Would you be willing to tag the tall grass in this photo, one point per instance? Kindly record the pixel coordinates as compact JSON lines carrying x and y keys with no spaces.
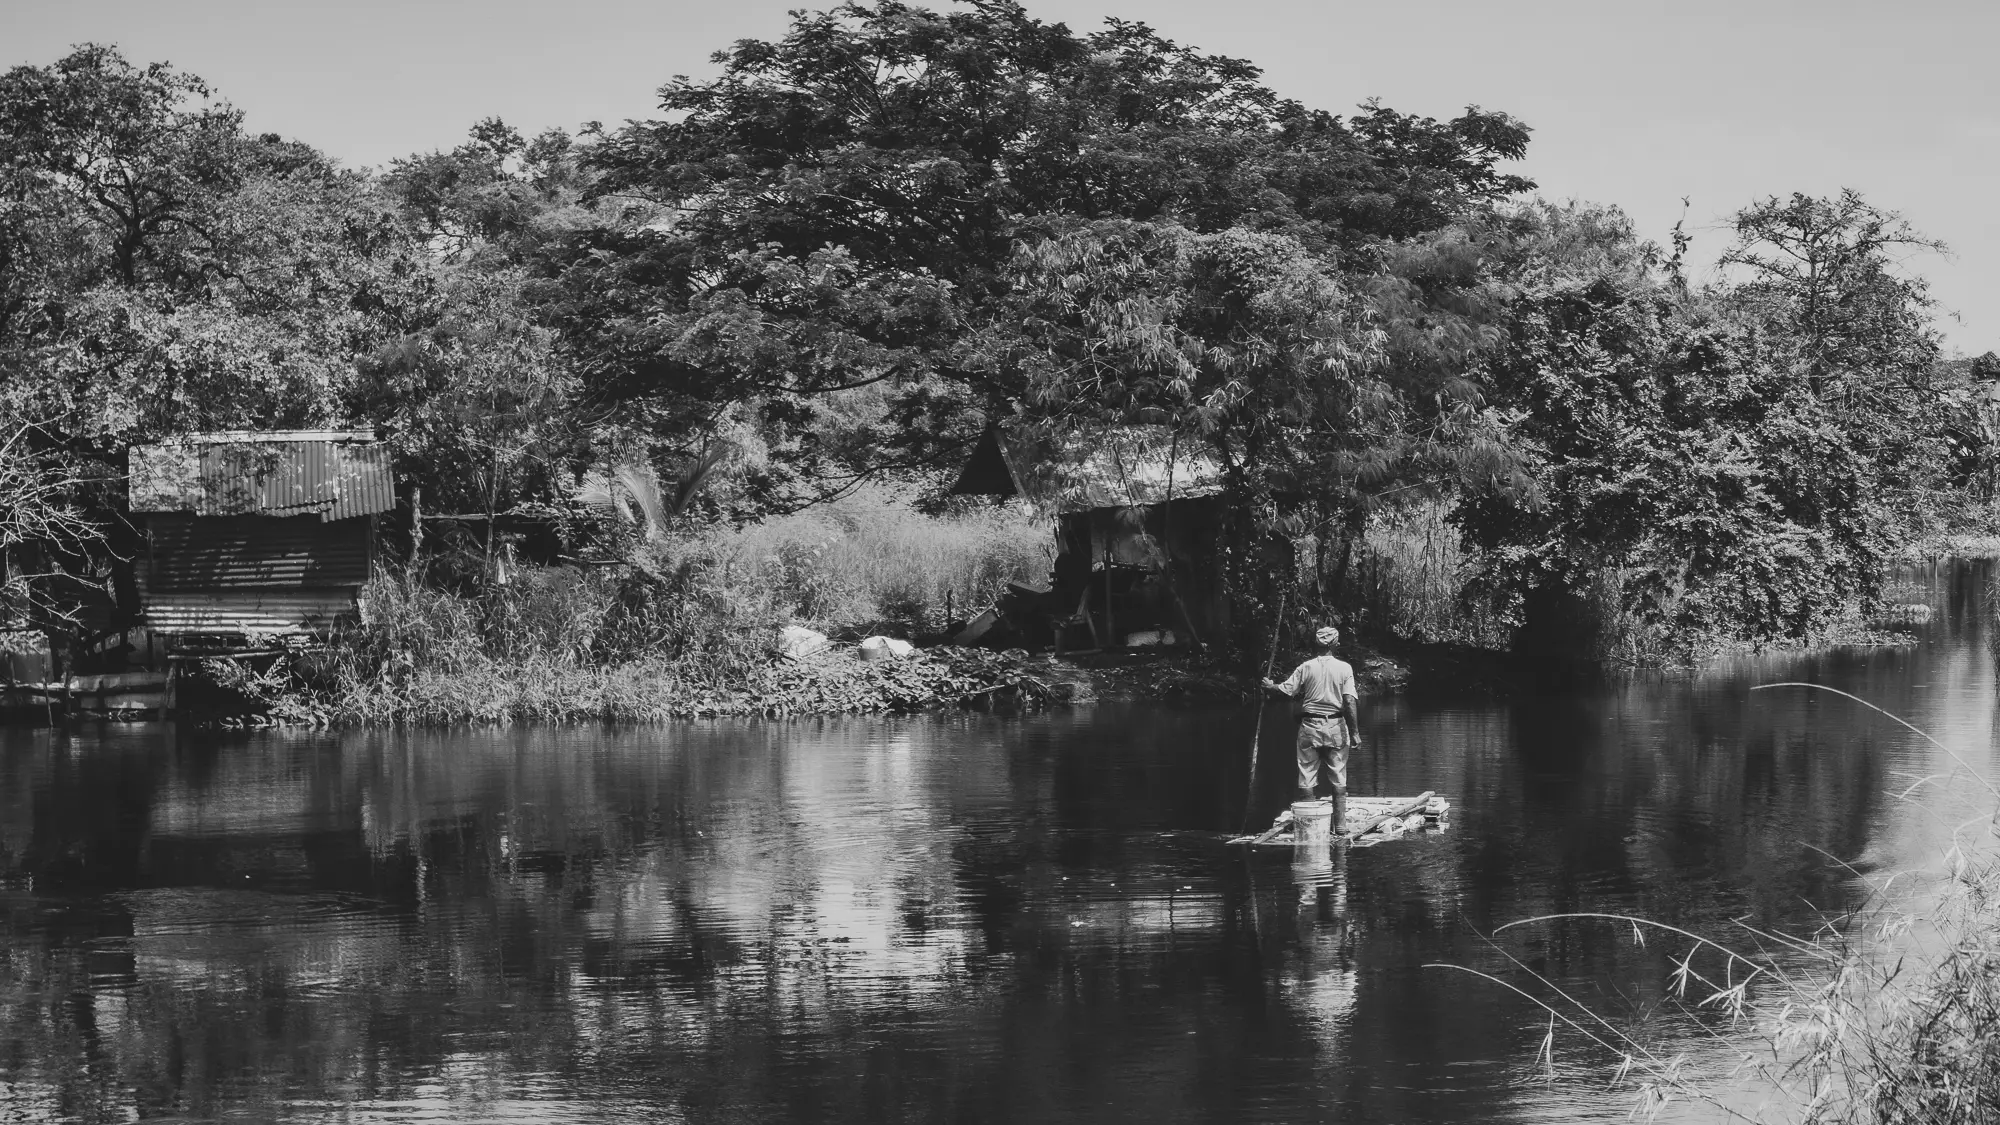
{"x":1889,"y":1013}
{"x":872,"y":558}
{"x":1408,"y":576}
{"x":553,"y":643}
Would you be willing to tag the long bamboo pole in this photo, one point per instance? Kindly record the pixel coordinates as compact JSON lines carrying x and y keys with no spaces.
{"x":1257,"y":731}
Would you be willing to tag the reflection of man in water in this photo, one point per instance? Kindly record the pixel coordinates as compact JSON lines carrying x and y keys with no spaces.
{"x":1329,"y":722}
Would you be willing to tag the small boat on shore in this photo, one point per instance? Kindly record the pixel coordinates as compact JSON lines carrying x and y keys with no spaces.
{"x":1370,"y":821}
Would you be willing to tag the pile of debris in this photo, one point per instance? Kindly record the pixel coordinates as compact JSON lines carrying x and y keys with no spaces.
{"x":1370,"y":821}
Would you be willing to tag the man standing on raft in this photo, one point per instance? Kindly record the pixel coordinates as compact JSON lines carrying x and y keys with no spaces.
{"x":1329,"y":720}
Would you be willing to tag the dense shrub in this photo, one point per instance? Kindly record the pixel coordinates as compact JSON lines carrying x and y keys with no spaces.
{"x":559,"y":617}
{"x":1408,"y":577}
{"x":1733,"y":463}
{"x":684,"y":627}
{"x":651,"y":689}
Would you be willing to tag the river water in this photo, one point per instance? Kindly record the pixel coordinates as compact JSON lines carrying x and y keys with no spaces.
{"x":944,"y":918}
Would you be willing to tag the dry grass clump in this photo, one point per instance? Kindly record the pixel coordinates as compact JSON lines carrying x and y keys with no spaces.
{"x":1924,"y":1031}
{"x":872,"y":557}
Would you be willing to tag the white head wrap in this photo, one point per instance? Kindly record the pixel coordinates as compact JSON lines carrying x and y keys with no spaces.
{"x":1327,"y":635}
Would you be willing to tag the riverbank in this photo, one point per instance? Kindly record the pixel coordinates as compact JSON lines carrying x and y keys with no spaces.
{"x":834,"y":682}
{"x":358,"y":684}
{"x":362,"y":682}
{"x":301,"y":690}
{"x":694,"y":634}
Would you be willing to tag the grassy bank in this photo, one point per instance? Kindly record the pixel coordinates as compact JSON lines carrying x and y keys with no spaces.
{"x":683,"y":627}
{"x":688,"y":625}
{"x":300,"y":691}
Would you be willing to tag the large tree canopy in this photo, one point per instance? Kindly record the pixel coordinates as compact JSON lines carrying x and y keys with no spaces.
{"x":161,"y":270}
{"x":840,"y":211}
{"x":1740,"y":460}
{"x":855,"y":247}
{"x":164,"y":272}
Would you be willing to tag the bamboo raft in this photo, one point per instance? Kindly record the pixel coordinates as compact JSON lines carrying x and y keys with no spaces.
{"x":1370,"y":821}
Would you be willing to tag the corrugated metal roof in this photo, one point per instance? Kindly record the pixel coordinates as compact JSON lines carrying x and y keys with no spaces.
{"x":261,"y":611}
{"x":1115,"y":466}
{"x":251,"y":552}
{"x":227,"y":437}
{"x":331,"y":474}
{"x":368,"y":486}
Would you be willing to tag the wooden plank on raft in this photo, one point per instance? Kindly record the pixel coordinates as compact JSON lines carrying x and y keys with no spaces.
{"x":1285,"y":820}
{"x":1415,"y":804}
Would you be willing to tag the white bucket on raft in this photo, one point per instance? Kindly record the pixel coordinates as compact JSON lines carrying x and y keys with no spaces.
{"x":1311,"y":820}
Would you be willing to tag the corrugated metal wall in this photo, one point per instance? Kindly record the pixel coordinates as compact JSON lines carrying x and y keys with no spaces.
{"x":235,"y":574}
{"x":255,"y":552}
{"x":256,"y":532}
{"x":262,"y":611}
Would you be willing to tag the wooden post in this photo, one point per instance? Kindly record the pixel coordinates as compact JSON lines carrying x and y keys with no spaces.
{"x":416,"y":524}
{"x":1110,"y":628}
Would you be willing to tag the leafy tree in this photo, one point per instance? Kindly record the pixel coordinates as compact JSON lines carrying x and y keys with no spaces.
{"x":1707,"y":453}
{"x":496,"y":196}
{"x":473,"y":403}
{"x":838,"y":213}
{"x":1256,"y":351}
{"x":1825,"y":292}
{"x":129,"y":163}
{"x":170,"y":273}
{"x":164,"y":271}
{"x":479,"y":403}
{"x":1823,"y":278}
{"x":1972,"y":431}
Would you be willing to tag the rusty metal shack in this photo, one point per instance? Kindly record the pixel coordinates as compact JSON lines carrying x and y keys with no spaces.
{"x":1139,"y":535}
{"x":255,"y":533}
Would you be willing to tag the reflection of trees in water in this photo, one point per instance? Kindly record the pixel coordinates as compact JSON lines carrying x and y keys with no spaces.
{"x":362,"y":919}
{"x":1696,"y":805}
{"x":873,"y":919}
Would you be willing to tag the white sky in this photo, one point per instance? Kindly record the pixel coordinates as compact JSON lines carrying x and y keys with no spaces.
{"x":1633,"y":103}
